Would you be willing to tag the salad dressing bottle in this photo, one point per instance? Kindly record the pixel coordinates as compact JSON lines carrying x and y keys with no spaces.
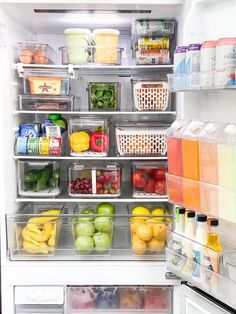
{"x":213,"y":242}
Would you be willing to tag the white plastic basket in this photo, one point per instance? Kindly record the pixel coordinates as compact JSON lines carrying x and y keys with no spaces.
{"x":141,"y":141}
{"x":150,"y":95}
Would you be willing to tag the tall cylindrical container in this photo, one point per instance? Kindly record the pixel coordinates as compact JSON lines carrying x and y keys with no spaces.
{"x":179,"y":60}
{"x":193,"y":58}
{"x":207,"y":63}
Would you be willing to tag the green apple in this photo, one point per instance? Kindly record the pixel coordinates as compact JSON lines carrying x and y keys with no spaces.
{"x":85,"y":228}
{"x":106,"y":209}
{"x":84,"y":244}
{"x":84,"y":213}
{"x":102,"y":241}
{"x":103,"y":224}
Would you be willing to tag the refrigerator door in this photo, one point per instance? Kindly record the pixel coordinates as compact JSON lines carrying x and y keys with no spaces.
{"x":187,"y":300}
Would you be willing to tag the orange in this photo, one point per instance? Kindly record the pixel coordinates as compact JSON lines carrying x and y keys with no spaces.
{"x":159,"y":231}
{"x":135,"y":237}
{"x":134,"y":225}
{"x":155,"y":245}
{"x":144,"y":231}
{"x":139,"y":247}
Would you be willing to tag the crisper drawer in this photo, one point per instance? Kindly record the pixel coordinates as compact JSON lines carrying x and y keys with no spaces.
{"x":115,"y":299}
{"x":39,"y":299}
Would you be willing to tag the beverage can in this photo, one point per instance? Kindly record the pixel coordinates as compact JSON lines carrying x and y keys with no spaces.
{"x":193,"y":58}
{"x":225,"y":77}
{"x":180,"y":59}
{"x":208,"y":56}
{"x":55,"y":146}
{"x":33,"y":146}
{"x":44,"y":146}
{"x":225,"y":53}
{"x":21,"y":145}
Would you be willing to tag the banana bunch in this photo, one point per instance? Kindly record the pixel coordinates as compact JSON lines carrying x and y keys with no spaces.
{"x":39,"y":235}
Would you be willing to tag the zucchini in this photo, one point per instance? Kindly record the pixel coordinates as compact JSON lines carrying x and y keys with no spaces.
{"x":32,"y":175}
{"x":43,"y":180}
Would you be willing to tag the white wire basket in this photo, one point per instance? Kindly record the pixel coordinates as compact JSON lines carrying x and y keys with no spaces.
{"x":150,"y":95}
{"x":141,"y":141}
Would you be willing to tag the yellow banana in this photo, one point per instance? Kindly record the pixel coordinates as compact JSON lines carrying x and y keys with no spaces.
{"x":36,"y":228}
{"x":52,"y":239}
{"x":26,"y":236}
{"x":46,"y":219}
{"x":41,"y":248}
{"x":44,"y":235}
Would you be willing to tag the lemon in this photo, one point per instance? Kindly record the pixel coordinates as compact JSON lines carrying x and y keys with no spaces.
{"x":139,"y":210}
{"x":158,"y":212}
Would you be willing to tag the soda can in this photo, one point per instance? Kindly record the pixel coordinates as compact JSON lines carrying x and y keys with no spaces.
{"x":208,"y":56}
{"x":225,"y":53}
{"x":33,"y":146}
{"x":21,"y":145}
{"x":55,"y":146}
{"x":193,"y":58}
{"x":44,"y":146}
{"x":179,"y":60}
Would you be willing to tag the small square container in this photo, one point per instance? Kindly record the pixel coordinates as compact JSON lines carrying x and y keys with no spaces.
{"x":35,"y":230}
{"x":104,"y":96}
{"x":50,"y":83}
{"x":46,"y":103}
{"x":102,"y":181}
{"x":157,"y":298}
{"x":88,"y":137}
{"x":150,"y":95}
{"x":92,"y":233}
{"x":149,"y":179}
{"x":39,"y":179}
{"x":131,"y":298}
{"x":33,"y":52}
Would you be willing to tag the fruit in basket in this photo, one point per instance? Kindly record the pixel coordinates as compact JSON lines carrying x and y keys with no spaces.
{"x":149,"y":187}
{"x":134,"y":224}
{"x":158,"y":212}
{"x":99,"y":142}
{"x":26,"y":56}
{"x":83,"y":215}
{"x":85,"y":244}
{"x":103,"y":224}
{"x":140,"y":210}
{"x":81,"y":186}
{"x":159,"y":231}
{"x":139,"y":246}
{"x":144,"y":231}
{"x":85,"y":228}
{"x":155,"y":245}
{"x":105,"y":209}
{"x":79,"y":141}
{"x":102,"y":241}
{"x":139,"y":179}
{"x":160,"y":187}
{"x":39,"y":248}
{"x":108,"y":182}
{"x":159,"y":173}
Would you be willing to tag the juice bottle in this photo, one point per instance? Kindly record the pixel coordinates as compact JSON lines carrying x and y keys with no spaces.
{"x":208,"y":155}
{"x":174,"y":147}
{"x":226,"y":173}
{"x":177,"y":242}
{"x":189,"y":233}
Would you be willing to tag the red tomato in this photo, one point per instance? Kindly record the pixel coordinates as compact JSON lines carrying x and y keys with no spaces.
{"x":160,"y":187}
{"x":149,"y":188}
{"x":139,"y":179}
{"x":159,"y":173}
{"x":148,"y":171}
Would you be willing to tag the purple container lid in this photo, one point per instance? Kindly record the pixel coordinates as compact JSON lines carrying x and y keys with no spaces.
{"x":193,"y":47}
{"x":181,"y":49}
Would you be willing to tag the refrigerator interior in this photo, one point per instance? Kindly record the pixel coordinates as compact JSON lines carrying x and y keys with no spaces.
{"x":196,"y":21}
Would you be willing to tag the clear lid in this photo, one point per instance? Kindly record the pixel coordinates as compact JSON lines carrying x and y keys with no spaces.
{"x":193,"y":129}
{"x":177,"y":127}
{"x":98,"y":166}
{"x":211,"y":131}
{"x":106,"y":31}
{"x":228,"y":133}
{"x":77,"y":30}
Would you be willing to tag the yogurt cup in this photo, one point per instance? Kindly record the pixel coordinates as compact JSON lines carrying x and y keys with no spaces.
{"x":77,"y":40}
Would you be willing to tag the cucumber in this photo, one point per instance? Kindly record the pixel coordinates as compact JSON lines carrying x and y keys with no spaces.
{"x":43,"y":180}
{"x":32,"y":175}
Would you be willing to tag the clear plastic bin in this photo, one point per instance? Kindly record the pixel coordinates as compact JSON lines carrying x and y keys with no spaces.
{"x":141,"y":139}
{"x":34,"y":52}
{"x":153,"y":28}
{"x":88,"y":137}
{"x":149,"y":179}
{"x":104,"y":96}
{"x":39,"y":179}
{"x":46,"y":103}
{"x":150,"y":95}
{"x":102,"y":181}
{"x":92,"y":232}
{"x":43,"y":82}
{"x":35,"y":229}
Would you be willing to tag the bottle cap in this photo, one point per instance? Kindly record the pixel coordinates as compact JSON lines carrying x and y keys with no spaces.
{"x":181,"y":210}
{"x":213,"y":222}
{"x":190,"y":214}
{"x":55,"y":116}
{"x":201,"y":218}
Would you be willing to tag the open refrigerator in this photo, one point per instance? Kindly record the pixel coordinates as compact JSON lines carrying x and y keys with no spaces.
{"x":66,"y":278}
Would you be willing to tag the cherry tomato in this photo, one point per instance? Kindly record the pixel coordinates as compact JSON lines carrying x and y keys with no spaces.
{"x":160,"y":187}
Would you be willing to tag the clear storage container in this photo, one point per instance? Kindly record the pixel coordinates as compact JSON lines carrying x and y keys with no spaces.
{"x":46,"y":83}
{"x":104,"y":96}
{"x":34,"y":52}
{"x":153,"y":28}
{"x":39,"y":179}
{"x":88,"y":137}
{"x":46,"y":103}
{"x":35,"y":229}
{"x":141,"y":139}
{"x":102,"y":181}
{"x":150,"y":95}
{"x":92,"y":233}
{"x":149,"y":179}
